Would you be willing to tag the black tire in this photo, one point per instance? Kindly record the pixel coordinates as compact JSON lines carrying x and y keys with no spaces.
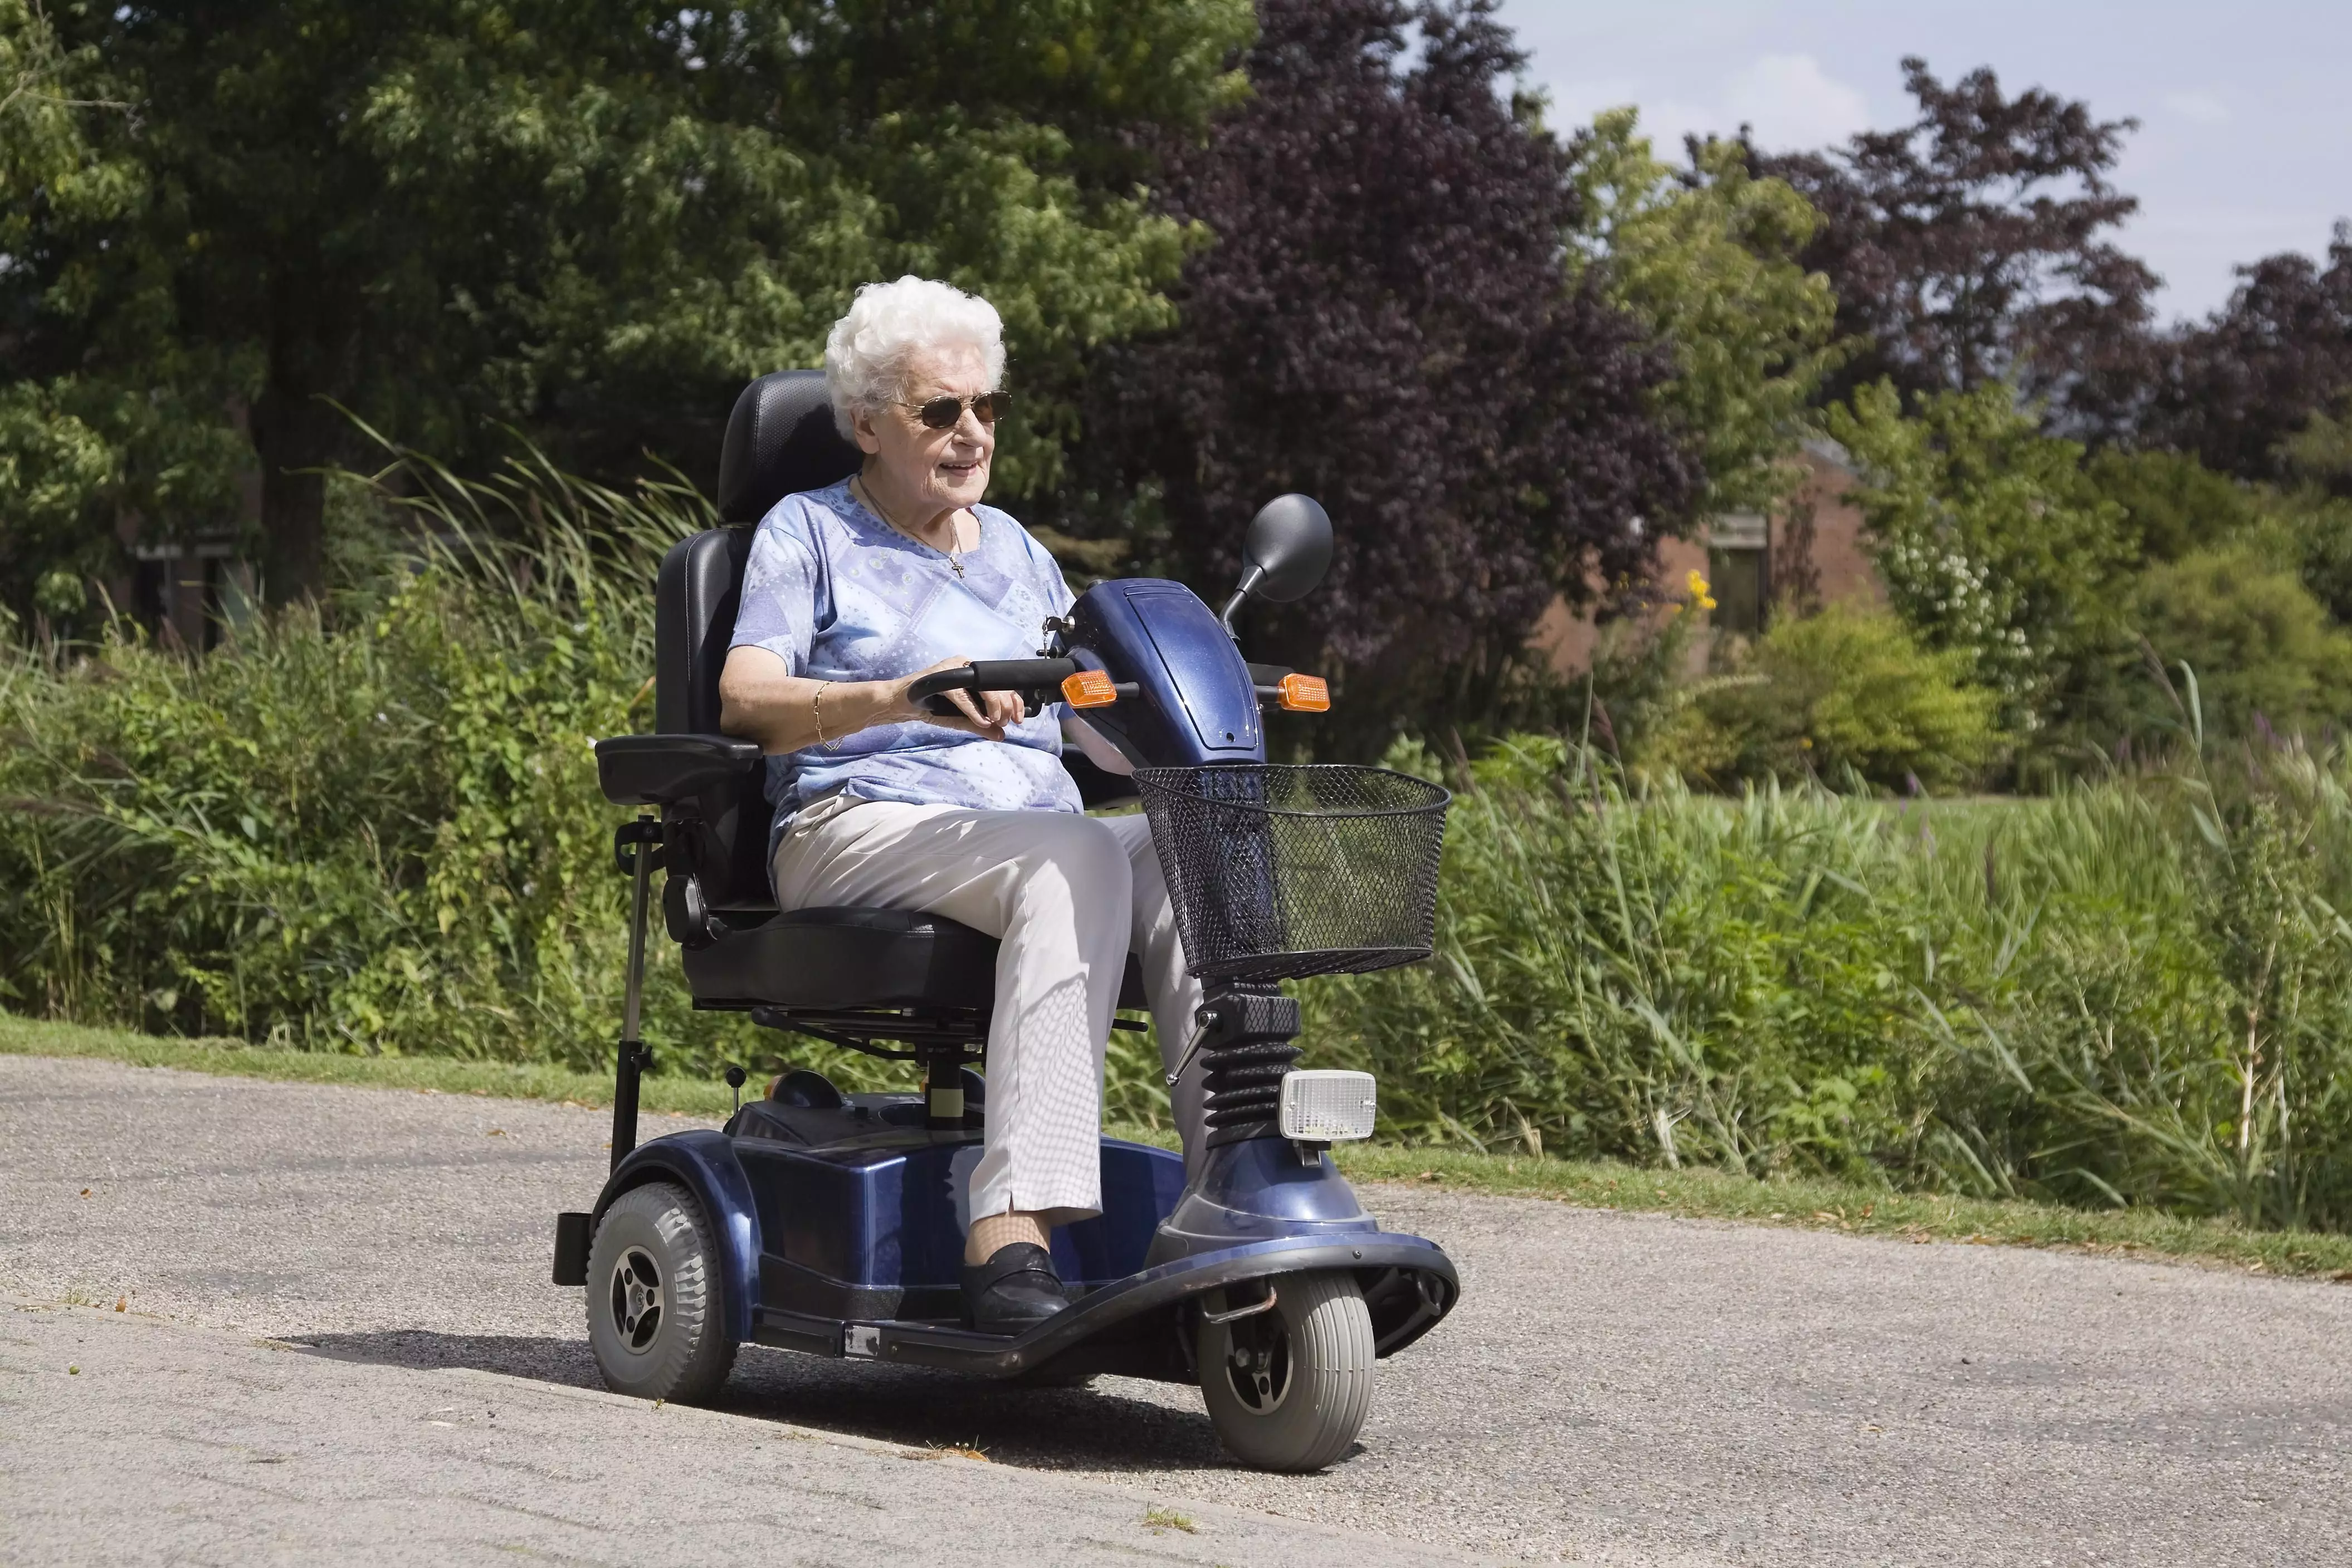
{"x":1289,"y":1389}
{"x":657,"y":1317}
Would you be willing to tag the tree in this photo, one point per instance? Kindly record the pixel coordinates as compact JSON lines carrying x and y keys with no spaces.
{"x":1708,"y":257}
{"x":2172,"y":502}
{"x":1381,"y":322}
{"x":1994,"y":542}
{"x":580,"y":217}
{"x":67,"y":439}
{"x":1970,"y":247}
{"x":2238,"y":388}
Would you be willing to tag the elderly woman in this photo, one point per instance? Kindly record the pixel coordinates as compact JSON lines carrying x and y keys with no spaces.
{"x":850,"y":594}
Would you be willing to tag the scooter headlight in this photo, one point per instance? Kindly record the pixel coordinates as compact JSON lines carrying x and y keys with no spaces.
{"x":1328,"y":1107}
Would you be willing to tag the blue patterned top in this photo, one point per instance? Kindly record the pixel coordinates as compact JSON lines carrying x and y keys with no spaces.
{"x":840,"y":595}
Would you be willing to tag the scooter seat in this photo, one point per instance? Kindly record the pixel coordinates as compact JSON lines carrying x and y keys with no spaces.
{"x":856,"y":961}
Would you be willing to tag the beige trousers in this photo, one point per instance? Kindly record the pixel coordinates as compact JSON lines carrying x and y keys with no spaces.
{"x":1068,"y":897}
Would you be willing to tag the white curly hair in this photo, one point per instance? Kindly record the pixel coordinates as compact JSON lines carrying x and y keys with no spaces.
{"x":866,"y":354}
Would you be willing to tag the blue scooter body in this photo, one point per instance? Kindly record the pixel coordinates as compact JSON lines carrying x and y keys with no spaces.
{"x":842,"y":1222}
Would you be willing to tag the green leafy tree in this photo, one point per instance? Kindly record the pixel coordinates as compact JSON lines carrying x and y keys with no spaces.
{"x":2172,"y":502}
{"x":1707,"y":255}
{"x":1995,"y":543}
{"x":72,"y":448}
{"x":591,"y":219}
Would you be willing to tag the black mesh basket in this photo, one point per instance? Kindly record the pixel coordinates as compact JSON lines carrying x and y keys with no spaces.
{"x":1278,"y":872}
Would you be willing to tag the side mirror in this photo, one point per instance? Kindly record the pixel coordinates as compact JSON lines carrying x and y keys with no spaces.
{"x":1285,"y":554}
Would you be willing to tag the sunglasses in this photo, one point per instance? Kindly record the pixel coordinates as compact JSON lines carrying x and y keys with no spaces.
{"x":947,"y":413}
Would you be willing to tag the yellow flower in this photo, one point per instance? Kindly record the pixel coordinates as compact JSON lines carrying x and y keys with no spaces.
{"x":1697,"y":584}
{"x":1704,"y":602}
{"x":1805,"y":743}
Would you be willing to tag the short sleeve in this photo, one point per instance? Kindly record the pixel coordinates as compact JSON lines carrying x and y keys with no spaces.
{"x":779,"y":610}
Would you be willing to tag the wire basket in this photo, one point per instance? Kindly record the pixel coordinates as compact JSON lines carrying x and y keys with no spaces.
{"x":1278,"y":873}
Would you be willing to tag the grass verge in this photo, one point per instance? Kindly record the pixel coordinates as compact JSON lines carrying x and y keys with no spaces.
{"x":428,"y":1074}
{"x":1860,"y":1210}
{"x":1595,"y":1183}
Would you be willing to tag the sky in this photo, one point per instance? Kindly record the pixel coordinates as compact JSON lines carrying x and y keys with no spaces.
{"x":2245,"y":105}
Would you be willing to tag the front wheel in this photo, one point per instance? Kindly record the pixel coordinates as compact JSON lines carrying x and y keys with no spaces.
{"x":1289,"y":1388}
{"x":655,"y":1318}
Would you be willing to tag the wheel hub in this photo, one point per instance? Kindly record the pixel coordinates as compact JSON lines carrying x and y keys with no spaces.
{"x":636,"y":1297}
{"x":1257,"y":1361}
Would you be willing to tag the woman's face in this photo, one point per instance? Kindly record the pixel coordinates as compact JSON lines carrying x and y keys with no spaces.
{"x":935,"y":469}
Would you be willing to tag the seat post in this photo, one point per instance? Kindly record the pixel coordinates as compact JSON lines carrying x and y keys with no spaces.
{"x":943,"y":1089}
{"x":633,"y":846}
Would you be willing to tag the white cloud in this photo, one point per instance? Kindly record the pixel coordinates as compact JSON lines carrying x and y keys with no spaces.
{"x":1664,"y":120}
{"x":1790,"y":102}
{"x":2196,"y":104}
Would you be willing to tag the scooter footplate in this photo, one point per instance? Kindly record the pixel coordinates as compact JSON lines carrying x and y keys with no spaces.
{"x":1082,"y":1336}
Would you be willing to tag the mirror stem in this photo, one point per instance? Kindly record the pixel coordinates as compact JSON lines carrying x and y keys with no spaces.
{"x":1234,"y":605}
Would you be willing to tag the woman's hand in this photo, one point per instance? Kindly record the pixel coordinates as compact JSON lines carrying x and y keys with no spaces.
{"x":986,"y":713}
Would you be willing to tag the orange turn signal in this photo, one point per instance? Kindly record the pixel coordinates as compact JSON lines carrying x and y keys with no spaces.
{"x":1304,"y":693}
{"x":1088,"y":688}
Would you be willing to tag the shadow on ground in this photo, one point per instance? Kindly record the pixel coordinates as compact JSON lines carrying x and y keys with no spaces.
{"x":1106,"y":1426}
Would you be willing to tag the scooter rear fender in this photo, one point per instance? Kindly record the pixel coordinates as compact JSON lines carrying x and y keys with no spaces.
{"x":703,"y":1162}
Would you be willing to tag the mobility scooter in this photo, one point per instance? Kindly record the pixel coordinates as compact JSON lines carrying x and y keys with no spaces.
{"x":829,"y":1222}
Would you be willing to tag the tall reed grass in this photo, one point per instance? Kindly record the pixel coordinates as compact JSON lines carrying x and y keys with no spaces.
{"x":374,"y":827}
{"x":371,"y":825}
{"x":2136,"y":991}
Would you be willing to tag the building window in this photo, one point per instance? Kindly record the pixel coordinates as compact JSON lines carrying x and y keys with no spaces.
{"x":1738,"y":566}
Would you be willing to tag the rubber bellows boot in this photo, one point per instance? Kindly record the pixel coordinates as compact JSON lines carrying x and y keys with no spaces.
{"x":1014,"y":1291}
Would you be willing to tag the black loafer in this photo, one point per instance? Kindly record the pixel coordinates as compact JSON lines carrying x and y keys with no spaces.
{"x":1014,"y":1291}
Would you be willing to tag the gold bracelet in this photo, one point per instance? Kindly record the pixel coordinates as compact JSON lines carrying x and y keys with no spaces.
{"x":818,"y":719}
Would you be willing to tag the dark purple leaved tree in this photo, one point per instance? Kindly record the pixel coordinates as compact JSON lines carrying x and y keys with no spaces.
{"x":1382,"y":323}
{"x":2235,"y":389}
{"x":1974,"y":244}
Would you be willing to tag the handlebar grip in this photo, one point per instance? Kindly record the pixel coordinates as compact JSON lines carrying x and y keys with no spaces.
{"x":1024,"y":676}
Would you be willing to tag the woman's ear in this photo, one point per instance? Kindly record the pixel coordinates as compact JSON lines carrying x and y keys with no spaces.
{"x":861,"y":427}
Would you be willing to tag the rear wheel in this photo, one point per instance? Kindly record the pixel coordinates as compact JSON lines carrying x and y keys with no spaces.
{"x":1289,"y":1388}
{"x":655,"y":1318}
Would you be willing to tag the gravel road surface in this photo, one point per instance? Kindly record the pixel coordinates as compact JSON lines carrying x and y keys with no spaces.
{"x":1614,"y":1388}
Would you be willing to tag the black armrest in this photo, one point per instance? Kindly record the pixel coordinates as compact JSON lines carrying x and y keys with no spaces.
{"x":662,"y":770}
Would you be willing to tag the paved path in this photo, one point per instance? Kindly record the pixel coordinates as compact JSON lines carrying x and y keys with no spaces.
{"x":134,"y":1440}
{"x":1615,"y":1388}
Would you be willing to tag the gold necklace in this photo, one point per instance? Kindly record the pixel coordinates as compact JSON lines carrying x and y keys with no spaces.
{"x":865,"y":496}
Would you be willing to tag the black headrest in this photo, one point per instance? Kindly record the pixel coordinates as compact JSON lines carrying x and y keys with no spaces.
{"x":781,"y":440}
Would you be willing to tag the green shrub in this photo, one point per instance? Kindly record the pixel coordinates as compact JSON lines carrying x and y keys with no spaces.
{"x":1845,"y":692}
{"x":2316,"y":530}
{"x":2261,"y":646}
{"x":370,"y":828}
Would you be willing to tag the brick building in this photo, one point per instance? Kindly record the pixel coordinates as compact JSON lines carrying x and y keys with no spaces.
{"x":1809,"y":555}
